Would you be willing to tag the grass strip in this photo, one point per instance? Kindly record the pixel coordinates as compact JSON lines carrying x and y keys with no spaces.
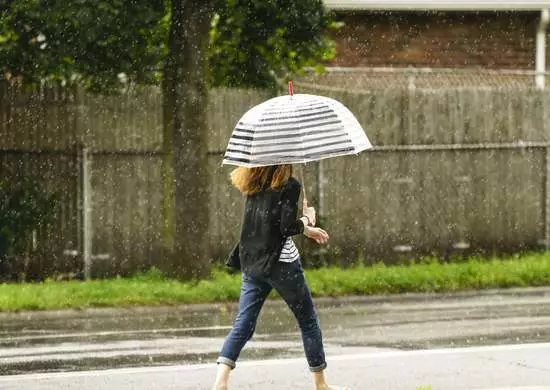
{"x":152,"y":288}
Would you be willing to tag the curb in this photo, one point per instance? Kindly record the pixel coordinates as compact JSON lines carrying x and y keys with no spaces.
{"x":322,"y":301}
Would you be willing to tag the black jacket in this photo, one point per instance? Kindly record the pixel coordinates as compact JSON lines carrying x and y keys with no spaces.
{"x":269,"y":218}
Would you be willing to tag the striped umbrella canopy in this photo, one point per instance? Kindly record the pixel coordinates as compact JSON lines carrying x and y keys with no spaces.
{"x":294,"y":129}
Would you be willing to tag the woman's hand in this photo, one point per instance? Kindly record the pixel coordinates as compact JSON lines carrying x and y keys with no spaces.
{"x":309,"y":212}
{"x":316,"y":234}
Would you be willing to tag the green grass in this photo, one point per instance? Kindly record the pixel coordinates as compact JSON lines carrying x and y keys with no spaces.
{"x":152,"y":288}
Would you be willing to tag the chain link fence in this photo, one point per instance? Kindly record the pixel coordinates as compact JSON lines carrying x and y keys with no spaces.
{"x":421,"y":78}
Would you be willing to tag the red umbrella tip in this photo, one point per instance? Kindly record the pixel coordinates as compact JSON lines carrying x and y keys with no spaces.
{"x":290,"y":88}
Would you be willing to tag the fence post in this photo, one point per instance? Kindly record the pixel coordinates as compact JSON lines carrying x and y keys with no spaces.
{"x":547,"y":198}
{"x":85,"y":162}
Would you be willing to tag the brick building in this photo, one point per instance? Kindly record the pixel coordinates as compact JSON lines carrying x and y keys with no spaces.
{"x":488,"y":34}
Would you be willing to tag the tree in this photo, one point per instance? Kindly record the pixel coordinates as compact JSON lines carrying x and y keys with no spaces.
{"x":251,"y":44}
{"x":256,"y":42}
{"x":92,"y":42}
{"x":185,"y":93}
{"x":95,"y":41}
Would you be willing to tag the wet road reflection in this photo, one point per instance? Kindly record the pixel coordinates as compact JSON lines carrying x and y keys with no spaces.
{"x":101,"y":338}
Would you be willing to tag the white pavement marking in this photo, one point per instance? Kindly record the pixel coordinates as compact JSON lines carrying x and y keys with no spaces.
{"x":280,"y":362}
{"x":520,"y":388}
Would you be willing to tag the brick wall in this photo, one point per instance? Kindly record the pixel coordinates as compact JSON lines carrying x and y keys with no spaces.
{"x":486,"y":39}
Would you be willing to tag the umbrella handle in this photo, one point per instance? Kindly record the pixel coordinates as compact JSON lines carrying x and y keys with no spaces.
{"x":302,"y":180}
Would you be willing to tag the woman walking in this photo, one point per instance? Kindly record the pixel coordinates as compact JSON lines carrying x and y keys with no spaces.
{"x":269,"y":260}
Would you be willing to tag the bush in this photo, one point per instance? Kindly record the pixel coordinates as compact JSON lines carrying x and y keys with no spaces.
{"x":24,"y":209}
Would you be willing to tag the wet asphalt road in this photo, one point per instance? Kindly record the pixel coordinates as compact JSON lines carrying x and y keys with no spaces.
{"x":371,"y":327}
{"x":518,"y":367}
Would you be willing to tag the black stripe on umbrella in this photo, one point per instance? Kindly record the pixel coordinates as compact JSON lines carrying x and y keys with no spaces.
{"x":302,"y":149}
{"x":290,"y":109}
{"x":292,"y":159}
{"x":283,"y":127}
{"x":287,"y":123}
{"x":333,"y":135}
{"x":291,"y":135}
{"x":277,"y":118}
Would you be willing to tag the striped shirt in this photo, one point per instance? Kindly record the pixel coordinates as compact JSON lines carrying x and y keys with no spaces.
{"x":289,"y":253}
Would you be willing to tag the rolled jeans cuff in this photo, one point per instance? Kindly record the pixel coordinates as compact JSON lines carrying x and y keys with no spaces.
{"x":318,"y":368}
{"x":226,"y":361}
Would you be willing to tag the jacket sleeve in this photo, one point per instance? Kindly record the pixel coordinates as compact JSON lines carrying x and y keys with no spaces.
{"x":290,"y":224}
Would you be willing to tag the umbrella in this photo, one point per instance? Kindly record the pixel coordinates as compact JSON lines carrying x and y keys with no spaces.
{"x":295,"y":128}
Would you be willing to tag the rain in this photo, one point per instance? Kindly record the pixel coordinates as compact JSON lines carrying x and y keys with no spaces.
{"x":230,"y":194}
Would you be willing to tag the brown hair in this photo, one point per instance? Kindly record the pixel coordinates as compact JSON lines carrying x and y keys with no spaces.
{"x":252,"y":180}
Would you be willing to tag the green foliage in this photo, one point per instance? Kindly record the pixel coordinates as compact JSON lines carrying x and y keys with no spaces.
{"x":92,"y":42}
{"x":24,"y":208}
{"x":254,"y":42}
{"x":153,"y":288}
{"x":528,"y":270}
{"x":152,"y":275}
{"x":94,"y":39}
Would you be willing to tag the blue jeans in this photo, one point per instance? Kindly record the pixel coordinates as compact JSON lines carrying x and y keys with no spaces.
{"x":289,"y":281}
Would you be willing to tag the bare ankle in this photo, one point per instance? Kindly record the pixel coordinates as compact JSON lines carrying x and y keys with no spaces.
{"x":319,"y":381}
{"x":222,"y":377}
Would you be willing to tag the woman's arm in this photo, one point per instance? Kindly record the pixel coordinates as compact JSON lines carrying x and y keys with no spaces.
{"x":290,"y":224}
{"x":316,"y":234}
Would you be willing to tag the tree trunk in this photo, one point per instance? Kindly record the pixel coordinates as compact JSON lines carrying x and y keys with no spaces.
{"x":185,"y":171}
